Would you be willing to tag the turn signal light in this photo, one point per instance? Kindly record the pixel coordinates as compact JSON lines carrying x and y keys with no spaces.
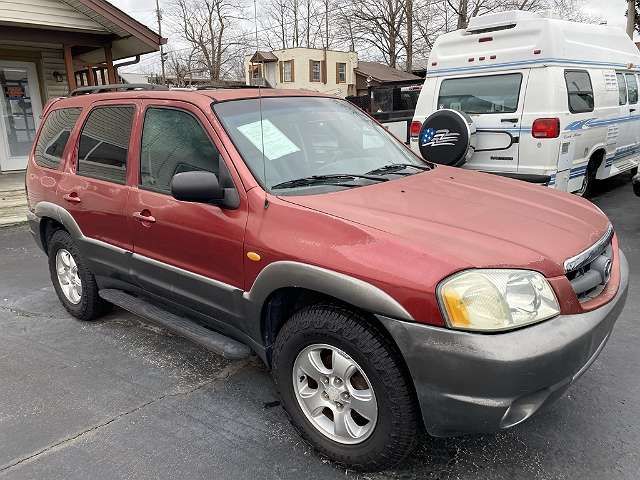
{"x":415,"y":129}
{"x":546,"y":128}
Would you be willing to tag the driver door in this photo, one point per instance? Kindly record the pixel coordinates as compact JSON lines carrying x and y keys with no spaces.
{"x":189,"y":253}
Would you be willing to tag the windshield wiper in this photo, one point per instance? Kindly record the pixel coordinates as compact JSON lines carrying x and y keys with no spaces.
{"x":336,"y":179}
{"x":393,"y":167}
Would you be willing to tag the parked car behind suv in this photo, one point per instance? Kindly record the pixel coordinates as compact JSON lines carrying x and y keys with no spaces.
{"x":387,"y":294}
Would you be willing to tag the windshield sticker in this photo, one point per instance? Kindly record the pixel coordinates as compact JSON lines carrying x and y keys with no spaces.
{"x":276,"y":143}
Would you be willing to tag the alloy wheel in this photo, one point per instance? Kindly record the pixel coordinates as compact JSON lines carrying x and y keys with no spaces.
{"x":335,"y":394}
{"x":68,"y":278}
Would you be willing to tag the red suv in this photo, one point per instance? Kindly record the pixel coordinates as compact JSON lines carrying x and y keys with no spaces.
{"x":386,"y":293}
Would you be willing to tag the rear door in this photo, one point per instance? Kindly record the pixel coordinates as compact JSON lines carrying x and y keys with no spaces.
{"x":495,"y":103}
{"x":94,"y":188}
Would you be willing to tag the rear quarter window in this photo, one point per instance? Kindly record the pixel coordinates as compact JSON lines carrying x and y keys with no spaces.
{"x":579,"y":91}
{"x":54,"y":136}
{"x":481,"y":95}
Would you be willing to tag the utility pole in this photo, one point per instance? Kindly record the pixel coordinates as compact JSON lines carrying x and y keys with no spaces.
{"x":159,"y":14}
{"x":631,"y":18}
{"x":409,"y":15}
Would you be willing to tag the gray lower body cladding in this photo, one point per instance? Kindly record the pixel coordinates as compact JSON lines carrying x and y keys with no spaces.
{"x":476,"y":383}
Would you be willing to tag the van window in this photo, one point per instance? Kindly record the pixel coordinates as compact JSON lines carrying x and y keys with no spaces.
{"x":579,"y":91}
{"x":104,"y":143}
{"x":632,"y":87}
{"x":54,"y":136}
{"x":622,"y":89}
{"x":477,"y":95}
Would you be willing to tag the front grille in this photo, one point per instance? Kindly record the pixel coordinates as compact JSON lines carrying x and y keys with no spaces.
{"x":589,"y":271}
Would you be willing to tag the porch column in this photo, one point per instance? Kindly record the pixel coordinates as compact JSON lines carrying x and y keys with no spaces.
{"x":108,"y":57}
{"x":68,"y":64}
{"x":91,"y":76}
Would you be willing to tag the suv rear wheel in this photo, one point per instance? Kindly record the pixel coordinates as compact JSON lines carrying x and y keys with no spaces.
{"x":74,"y":283}
{"x":345,"y":388}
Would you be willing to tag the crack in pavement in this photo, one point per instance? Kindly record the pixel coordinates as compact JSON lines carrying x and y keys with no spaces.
{"x":25,"y":313}
{"x":224,"y":374}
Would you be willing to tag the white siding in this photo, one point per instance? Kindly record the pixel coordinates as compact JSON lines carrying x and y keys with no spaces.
{"x":46,"y":13}
{"x":53,"y":61}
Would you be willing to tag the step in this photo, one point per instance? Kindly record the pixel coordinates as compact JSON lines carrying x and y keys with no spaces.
{"x":181,"y":326}
{"x":13,"y":211}
{"x":11,"y":194}
{"x":12,"y":203}
{"x":10,"y":220}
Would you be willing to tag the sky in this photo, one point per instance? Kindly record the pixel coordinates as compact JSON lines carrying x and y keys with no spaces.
{"x":611,"y":11}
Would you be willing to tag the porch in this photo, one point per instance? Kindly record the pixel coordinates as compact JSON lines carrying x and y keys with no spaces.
{"x":50,"y":47}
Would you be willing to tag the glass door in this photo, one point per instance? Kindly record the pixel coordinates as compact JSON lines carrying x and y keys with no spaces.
{"x":20,"y":108}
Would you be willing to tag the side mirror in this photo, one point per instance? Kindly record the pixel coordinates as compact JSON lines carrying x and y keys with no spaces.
{"x":636,"y":184}
{"x":197,"y":186}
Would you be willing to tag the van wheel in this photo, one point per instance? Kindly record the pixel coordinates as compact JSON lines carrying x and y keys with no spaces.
{"x":73,"y":282}
{"x":344,"y":388}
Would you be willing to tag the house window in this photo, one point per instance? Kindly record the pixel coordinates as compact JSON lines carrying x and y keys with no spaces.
{"x":341,"y":73}
{"x":287,"y":72}
{"x":315,"y":71}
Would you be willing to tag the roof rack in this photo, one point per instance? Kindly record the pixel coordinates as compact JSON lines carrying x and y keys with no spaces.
{"x":225,"y":87}
{"x":115,"y":87}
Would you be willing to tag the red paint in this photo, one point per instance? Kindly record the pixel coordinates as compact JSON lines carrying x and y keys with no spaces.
{"x":403,"y":236}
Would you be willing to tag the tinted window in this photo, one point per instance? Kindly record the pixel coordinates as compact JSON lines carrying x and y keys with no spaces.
{"x":579,"y":90}
{"x":489,"y":94}
{"x":173,"y":141}
{"x":54,"y":136}
{"x":632,"y":87}
{"x":622,"y":89}
{"x":104,"y":144}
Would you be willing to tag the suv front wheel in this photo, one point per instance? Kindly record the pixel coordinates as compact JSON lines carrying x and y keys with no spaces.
{"x":345,"y":388}
{"x":74,"y":283}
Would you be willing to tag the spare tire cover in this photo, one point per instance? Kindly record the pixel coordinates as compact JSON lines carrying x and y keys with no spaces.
{"x":447,"y":137}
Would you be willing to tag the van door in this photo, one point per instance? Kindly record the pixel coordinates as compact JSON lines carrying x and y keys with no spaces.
{"x":626,"y":130}
{"x":495,"y":103}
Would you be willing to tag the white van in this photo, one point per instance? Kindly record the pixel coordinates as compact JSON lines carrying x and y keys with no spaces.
{"x":544,"y":100}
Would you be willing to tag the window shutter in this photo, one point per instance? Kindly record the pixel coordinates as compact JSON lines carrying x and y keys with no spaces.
{"x":323,"y":71}
{"x":293,"y":71}
{"x":281,"y":64}
{"x":311,"y":70}
{"x":337,"y":73}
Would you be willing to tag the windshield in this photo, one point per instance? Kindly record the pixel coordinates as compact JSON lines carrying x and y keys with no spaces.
{"x":478,"y":95}
{"x":325,"y":139}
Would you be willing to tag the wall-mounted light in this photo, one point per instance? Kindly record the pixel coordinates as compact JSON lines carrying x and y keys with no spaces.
{"x":57,"y":76}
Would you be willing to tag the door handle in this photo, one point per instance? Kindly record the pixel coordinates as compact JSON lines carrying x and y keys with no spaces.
{"x":632,"y":110}
{"x":72,"y":197}
{"x":509,"y":120}
{"x":144,"y":216}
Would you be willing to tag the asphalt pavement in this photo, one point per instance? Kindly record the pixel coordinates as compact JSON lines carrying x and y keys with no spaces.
{"x":119,"y":399}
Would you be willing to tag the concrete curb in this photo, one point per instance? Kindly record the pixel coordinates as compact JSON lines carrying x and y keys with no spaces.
{"x":13,"y":221}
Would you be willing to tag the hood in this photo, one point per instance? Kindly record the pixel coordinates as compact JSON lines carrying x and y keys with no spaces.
{"x":472,"y":219}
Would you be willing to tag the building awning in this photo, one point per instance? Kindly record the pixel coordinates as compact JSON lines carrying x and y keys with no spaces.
{"x":87,"y":25}
{"x":263,"y":57}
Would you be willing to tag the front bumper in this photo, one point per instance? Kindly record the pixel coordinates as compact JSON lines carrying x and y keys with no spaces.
{"x":475,"y":383}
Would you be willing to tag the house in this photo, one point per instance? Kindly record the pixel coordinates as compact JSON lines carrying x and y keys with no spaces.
{"x":326,"y":71}
{"x":373,"y":74}
{"x":49,"y":47}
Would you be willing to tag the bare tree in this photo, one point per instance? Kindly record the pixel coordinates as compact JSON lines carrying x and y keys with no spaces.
{"x":208,"y":26}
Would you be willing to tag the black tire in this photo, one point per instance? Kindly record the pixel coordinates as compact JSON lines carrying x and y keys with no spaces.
{"x":588,"y":182}
{"x":91,"y":306}
{"x":398,"y":422}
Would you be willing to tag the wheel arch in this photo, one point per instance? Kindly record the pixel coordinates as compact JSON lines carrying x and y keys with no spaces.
{"x":283,"y":287}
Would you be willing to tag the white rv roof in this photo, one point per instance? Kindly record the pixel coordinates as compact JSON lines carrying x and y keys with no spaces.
{"x":516,"y":39}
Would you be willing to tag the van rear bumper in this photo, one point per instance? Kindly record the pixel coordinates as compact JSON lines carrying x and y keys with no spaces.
{"x":476,"y":383}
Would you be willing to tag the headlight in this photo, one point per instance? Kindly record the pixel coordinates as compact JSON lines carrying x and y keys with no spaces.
{"x":496,"y":299}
